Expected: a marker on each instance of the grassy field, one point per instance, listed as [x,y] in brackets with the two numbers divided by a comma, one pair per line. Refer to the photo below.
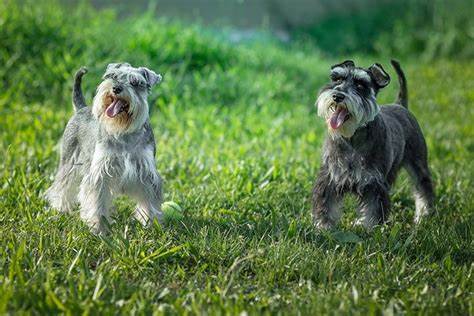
[238,147]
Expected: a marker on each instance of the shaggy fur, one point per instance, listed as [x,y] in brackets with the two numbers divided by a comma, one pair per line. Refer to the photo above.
[366,147]
[109,149]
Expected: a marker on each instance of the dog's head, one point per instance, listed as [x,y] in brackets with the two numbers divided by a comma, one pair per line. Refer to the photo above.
[349,100]
[121,102]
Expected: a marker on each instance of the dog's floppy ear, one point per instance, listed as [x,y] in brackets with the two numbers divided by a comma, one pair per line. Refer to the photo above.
[346,63]
[151,77]
[379,75]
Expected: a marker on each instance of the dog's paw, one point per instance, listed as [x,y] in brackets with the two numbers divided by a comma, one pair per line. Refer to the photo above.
[359,222]
[98,225]
[420,217]
[321,225]
[146,217]
[99,229]
[365,222]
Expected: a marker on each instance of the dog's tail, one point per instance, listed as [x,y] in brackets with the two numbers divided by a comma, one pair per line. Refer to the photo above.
[78,100]
[403,92]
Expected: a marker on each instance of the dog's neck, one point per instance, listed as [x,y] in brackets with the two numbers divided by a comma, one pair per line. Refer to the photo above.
[361,135]
[122,138]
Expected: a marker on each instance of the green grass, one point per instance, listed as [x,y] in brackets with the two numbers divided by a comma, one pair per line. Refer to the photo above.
[238,147]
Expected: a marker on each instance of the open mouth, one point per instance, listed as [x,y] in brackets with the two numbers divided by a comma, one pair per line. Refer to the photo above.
[339,116]
[116,106]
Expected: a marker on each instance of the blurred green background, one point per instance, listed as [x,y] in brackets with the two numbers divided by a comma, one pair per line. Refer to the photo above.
[36,35]
[429,28]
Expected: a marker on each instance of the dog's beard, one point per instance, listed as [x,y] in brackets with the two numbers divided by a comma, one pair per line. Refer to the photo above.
[345,118]
[119,114]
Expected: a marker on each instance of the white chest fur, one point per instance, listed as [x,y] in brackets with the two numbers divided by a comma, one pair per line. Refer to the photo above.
[122,169]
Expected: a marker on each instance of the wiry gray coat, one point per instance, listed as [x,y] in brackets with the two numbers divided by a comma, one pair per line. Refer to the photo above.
[367,162]
[101,159]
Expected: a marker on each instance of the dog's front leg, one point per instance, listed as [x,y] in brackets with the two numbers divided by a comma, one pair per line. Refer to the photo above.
[374,205]
[148,194]
[326,201]
[95,202]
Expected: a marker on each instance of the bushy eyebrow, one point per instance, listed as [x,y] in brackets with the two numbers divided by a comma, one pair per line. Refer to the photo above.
[361,75]
[339,71]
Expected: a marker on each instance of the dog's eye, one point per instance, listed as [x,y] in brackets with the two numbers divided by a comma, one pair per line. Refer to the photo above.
[360,85]
[336,79]
[137,83]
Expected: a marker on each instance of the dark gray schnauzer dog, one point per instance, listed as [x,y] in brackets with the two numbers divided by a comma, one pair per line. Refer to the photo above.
[109,149]
[366,146]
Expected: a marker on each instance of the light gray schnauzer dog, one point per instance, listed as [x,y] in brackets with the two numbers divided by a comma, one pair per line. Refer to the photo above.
[366,146]
[109,149]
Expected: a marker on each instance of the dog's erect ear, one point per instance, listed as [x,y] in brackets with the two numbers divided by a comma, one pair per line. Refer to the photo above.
[379,75]
[346,63]
[151,77]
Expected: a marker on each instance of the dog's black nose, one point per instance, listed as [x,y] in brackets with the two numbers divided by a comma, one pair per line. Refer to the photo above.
[117,89]
[338,97]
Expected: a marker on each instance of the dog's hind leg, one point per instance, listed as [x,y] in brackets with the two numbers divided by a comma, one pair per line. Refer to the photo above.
[62,195]
[422,187]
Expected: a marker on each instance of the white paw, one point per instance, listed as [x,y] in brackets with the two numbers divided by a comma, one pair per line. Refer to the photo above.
[419,216]
[146,217]
[323,224]
[98,227]
[366,222]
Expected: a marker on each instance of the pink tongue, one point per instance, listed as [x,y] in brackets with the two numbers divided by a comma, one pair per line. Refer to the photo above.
[338,118]
[115,108]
